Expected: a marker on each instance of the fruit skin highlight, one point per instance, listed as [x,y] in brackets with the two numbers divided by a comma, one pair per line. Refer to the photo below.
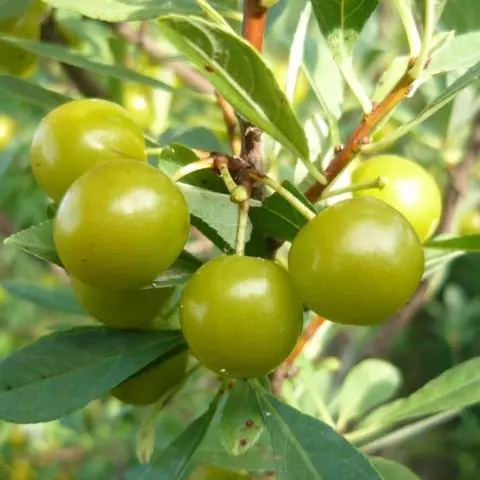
[469,223]
[121,225]
[357,262]
[79,135]
[241,316]
[408,187]
[150,384]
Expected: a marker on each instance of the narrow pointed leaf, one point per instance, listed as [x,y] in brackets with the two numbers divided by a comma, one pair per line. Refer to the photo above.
[305,447]
[64,371]
[239,73]
[32,93]
[341,22]
[173,462]
[122,10]
[72,57]
[36,241]
[57,299]
[469,243]
[456,388]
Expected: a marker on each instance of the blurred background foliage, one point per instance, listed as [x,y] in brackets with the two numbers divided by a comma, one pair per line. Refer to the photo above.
[99,442]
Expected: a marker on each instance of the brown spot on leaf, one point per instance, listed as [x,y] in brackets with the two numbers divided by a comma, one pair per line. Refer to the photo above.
[208,68]
[249,423]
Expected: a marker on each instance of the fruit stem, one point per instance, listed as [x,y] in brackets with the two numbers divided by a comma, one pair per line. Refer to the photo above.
[377,183]
[284,193]
[243,208]
[226,177]
[315,173]
[411,30]
[428,31]
[353,82]
[192,168]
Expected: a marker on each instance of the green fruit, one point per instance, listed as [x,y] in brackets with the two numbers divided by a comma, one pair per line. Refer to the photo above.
[79,135]
[13,60]
[211,472]
[8,128]
[137,100]
[121,225]
[469,223]
[241,316]
[357,262]
[122,308]
[150,384]
[408,187]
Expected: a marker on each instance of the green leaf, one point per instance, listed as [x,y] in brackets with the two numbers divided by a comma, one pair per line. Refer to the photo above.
[32,93]
[13,8]
[175,459]
[58,299]
[241,423]
[179,273]
[341,22]
[122,10]
[439,260]
[469,77]
[390,77]
[470,243]
[455,388]
[237,71]
[369,383]
[392,470]
[72,57]
[461,15]
[175,156]
[278,218]
[36,241]
[461,52]
[214,215]
[64,371]
[305,447]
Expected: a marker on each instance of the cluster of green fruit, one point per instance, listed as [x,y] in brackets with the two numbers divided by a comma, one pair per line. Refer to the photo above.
[120,223]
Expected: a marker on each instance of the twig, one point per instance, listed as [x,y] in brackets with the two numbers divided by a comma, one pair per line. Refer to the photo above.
[254,23]
[231,123]
[191,77]
[361,135]
[83,80]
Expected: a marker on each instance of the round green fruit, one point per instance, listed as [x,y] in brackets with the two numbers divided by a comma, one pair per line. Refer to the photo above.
[122,308]
[121,225]
[469,223]
[8,128]
[408,187]
[211,472]
[79,135]
[150,384]
[357,262]
[241,316]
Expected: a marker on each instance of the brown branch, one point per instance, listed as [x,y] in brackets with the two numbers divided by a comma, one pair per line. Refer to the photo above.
[140,38]
[458,185]
[254,23]
[83,80]
[231,124]
[361,134]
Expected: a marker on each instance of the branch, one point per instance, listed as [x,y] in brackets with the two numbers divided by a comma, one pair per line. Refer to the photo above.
[458,186]
[83,80]
[361,134]
[254,23]
[140,38]
[231,123]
